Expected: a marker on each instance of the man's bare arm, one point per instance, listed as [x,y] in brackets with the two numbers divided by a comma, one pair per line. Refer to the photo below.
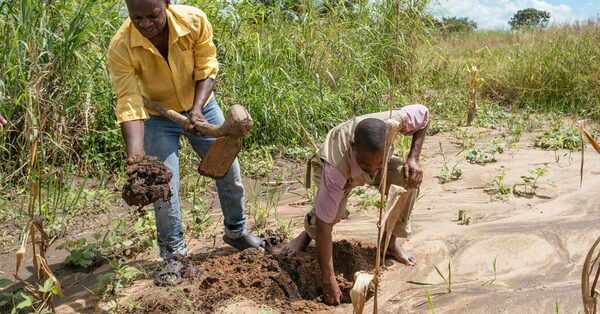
[412,170]
[133,134]
[204,88]
[331,292]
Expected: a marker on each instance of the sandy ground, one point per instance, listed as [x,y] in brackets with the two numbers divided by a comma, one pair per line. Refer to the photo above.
[539,243]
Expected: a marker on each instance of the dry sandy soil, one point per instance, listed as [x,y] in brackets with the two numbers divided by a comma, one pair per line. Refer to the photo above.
[539,244]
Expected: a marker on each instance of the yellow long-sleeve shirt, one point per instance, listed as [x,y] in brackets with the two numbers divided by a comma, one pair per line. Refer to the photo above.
[138,69]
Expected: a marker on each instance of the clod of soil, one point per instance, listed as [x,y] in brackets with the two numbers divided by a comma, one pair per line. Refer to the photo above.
[288,284]
[147,182]
[274,236]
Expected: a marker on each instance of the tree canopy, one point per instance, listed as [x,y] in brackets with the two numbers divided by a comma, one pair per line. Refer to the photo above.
[529,18]
[455,25]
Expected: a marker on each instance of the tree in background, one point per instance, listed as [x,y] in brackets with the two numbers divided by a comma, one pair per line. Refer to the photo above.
[529,18]
[455,25]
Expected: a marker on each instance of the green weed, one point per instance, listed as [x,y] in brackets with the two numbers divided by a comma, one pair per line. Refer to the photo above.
[463,217]
[261,210]
[447,279]
[498,186]
[449,173]
[82,253]
[366,200]
[120,276]
[478,156]
[530,186]
[559,138]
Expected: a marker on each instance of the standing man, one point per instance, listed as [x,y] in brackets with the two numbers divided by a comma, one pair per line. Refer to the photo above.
[166,53]
[351,156]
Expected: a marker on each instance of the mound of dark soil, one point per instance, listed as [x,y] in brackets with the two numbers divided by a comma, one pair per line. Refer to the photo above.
[147,181]
[288,284]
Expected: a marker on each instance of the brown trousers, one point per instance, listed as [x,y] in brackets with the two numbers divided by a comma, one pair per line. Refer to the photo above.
[394,176]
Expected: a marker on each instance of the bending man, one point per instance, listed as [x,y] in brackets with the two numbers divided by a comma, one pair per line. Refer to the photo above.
[351,156]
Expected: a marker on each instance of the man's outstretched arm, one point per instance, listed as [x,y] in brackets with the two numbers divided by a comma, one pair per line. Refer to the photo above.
[332,294]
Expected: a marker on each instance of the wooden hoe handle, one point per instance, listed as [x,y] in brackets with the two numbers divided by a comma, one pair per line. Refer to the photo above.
[237,120]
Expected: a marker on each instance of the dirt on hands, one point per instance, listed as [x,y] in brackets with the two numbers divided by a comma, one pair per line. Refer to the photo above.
[147,181]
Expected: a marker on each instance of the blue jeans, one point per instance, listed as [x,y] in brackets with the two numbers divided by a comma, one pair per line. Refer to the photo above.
[161,139]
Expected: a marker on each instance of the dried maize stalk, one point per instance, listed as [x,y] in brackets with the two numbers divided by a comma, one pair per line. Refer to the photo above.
[358,293]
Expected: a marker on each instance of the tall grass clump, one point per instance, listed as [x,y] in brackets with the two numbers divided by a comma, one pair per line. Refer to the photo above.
[55,85]
[311,63]
[549,70]
[289,63]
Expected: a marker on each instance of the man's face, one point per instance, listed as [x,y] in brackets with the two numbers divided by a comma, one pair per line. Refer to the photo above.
[369,162]
[148,16]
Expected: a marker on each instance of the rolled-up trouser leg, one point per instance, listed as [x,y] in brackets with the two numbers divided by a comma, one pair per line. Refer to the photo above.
[310,220]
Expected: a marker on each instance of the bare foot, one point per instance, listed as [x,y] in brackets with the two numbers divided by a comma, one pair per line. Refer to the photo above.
[298,244]
[402,256]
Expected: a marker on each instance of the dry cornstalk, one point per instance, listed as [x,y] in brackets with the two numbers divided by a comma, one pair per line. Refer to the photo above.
[358,293]
[584,131]
[473,89]
[391,130]
[35,222]
[590,294]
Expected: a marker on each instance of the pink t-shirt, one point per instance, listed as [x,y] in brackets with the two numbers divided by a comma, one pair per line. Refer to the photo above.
[331,189]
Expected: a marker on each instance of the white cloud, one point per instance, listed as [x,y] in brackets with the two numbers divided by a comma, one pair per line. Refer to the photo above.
[496,14]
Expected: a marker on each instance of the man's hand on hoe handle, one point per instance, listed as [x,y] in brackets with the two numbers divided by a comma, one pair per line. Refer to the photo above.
[195,117]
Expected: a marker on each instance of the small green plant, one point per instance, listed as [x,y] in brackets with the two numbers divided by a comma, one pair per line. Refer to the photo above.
[491,280]
[556,306]
[120,276]
[498,187]
[463,217]
[464,139]
[199,215]
[38,299]
[257,162]
[449,173]
[284,227]
[259,210]
[447,279]
[559,138]
[82,253]
[478,156]
[494,267]
[7,296]
[438,126]
[530,186]
[366,200]
[297,153]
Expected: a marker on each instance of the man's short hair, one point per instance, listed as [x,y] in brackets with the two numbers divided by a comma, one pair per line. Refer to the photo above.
[369,135]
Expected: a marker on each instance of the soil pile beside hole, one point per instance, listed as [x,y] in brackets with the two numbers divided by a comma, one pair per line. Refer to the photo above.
[147,182]
[288,284]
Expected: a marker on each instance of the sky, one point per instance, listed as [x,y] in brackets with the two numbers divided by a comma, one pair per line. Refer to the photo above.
[495,14]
